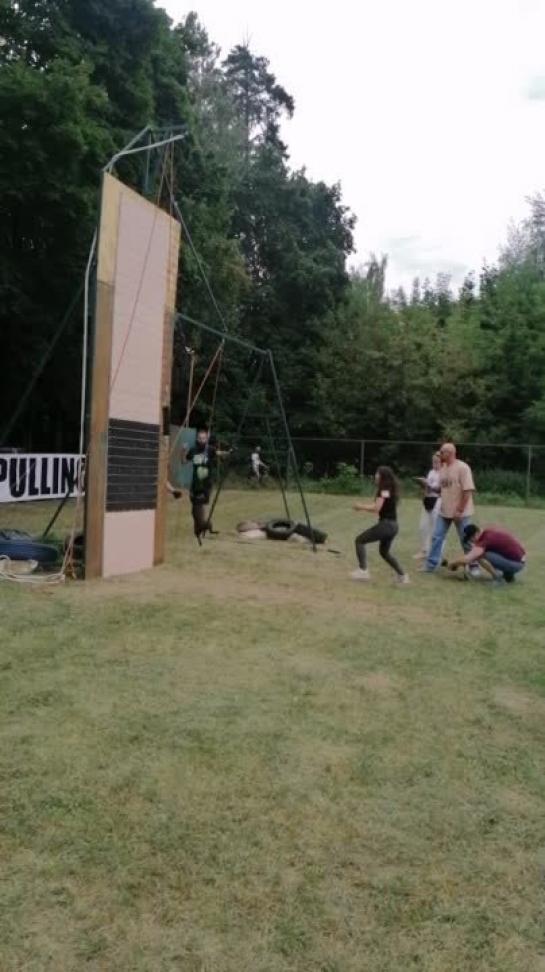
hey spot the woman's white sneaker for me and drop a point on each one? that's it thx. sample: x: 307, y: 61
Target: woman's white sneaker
x: 360, y: 575
x: 402, y: 579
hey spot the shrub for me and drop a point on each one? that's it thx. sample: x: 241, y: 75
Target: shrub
x: 346, y: 481
x: 500, y: 482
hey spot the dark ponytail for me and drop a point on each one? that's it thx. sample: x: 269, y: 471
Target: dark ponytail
x: 387, y: 480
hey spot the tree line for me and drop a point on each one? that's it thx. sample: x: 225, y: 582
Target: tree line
x: 78, y: 78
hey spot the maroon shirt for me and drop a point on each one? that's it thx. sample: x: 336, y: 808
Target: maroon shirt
x: 502, y: 543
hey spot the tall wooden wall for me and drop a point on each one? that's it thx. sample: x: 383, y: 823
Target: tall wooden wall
x: 127, y: 459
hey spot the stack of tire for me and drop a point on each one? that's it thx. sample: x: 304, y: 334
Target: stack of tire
x: 281, y: 530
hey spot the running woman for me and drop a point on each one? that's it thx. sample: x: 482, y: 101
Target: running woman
x: 385, y: 531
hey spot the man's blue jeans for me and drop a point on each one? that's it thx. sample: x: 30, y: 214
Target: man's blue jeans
x: 506, y: 567
x: 441, y: 529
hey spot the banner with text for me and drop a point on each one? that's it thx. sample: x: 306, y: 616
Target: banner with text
x: 37, y: 477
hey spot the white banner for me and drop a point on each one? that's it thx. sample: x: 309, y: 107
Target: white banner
x: 37, y: 477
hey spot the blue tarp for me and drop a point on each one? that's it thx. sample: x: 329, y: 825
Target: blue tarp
x: 181, y: 472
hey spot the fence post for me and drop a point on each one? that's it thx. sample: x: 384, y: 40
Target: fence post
x: 362, y: 459
x: 529, y: 474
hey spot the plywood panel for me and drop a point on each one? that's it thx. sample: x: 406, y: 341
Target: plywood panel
x: 140, y: 298
x: 129, y: 540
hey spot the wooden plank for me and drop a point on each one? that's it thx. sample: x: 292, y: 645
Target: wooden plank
x: 97, y: 453
x: 166, y: 380
x: 161, y: 509
x: 172, y: 270
x: 164, y: 448
x: 109, y: 226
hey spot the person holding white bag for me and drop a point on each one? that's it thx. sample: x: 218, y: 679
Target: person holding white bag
x: 431, y: 505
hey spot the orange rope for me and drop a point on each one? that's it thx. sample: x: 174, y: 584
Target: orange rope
x: 191, y: 404
x: 202, y: 384
x: 218, y: 372
x: 190, y: 388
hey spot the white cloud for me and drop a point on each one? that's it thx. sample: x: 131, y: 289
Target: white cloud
x: 420, y: 108
x: 535, y: 89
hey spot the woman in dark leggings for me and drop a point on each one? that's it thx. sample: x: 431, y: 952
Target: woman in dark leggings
x: 383, y: 532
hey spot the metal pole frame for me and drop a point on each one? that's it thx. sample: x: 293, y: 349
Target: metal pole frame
x: 222, y: 334
x: 362, y: 460
x: 529, y: 474
x: 291, y: 451
x: 133, y: 149
x: 236, y: 440
x: 277, y: 464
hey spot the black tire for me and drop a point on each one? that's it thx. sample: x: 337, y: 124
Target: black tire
x: 279, y: 529
x: 28, y: 550
x: 310, y: 533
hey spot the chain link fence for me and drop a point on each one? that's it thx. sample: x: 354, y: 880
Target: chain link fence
x: 500, y: 469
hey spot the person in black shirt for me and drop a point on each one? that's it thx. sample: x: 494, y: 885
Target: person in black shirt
x: 385, y: 531
x: 203, y: 458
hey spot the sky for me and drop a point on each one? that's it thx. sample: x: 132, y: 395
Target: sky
x: 430, y: 113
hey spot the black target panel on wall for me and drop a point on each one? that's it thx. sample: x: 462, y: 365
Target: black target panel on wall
x: 133, y: 465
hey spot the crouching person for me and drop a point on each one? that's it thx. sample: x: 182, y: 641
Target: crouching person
x: 497, y: 551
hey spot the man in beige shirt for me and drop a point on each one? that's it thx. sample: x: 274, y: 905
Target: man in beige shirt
x: 457, y: 489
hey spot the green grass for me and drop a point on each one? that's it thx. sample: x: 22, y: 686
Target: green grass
x: 242, y: 761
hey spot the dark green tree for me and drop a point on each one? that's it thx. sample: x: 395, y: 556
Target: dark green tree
x: 260, y: 100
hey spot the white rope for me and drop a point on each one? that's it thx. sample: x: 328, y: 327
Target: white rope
x: 8, y: 574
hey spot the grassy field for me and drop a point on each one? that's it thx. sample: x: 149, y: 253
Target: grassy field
x: 243, y: 761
